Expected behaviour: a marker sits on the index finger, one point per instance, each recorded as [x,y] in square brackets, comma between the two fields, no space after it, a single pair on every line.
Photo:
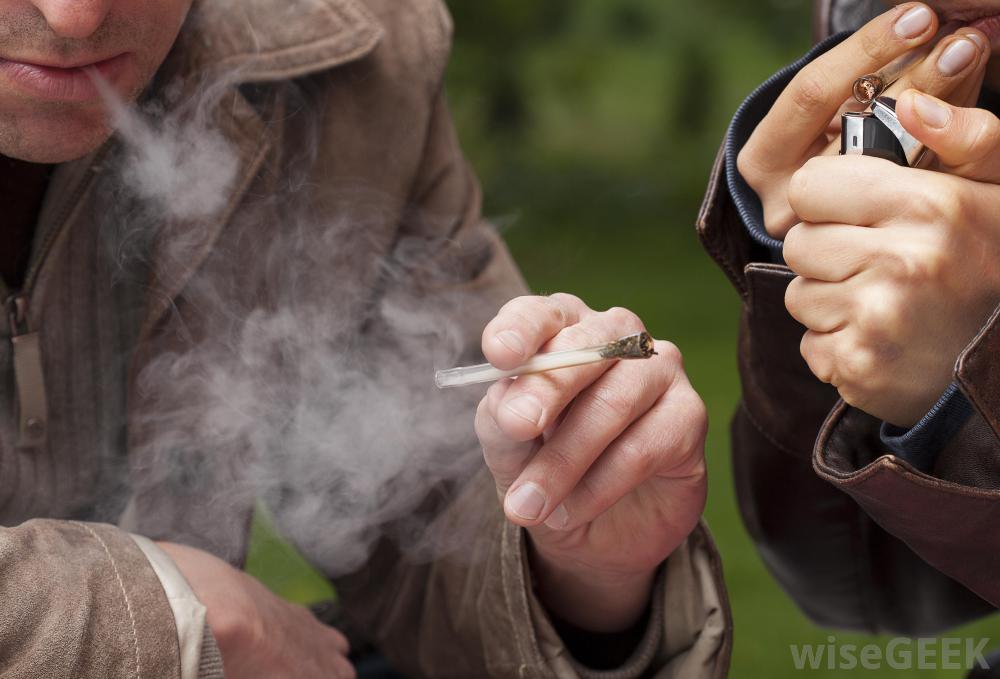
[803,111]
[524,324]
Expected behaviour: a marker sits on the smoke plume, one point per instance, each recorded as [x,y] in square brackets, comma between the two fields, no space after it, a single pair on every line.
[302,387]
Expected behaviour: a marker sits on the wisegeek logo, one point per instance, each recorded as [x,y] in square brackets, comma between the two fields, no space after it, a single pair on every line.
[901,653]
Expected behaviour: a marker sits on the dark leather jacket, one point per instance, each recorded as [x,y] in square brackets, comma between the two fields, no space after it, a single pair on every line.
[859,538]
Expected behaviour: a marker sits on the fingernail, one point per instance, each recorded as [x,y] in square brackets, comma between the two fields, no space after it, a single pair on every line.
[526,501]
[558,519]
[512,341]
[526,407]
[957,56]
[931,112]
[913,23]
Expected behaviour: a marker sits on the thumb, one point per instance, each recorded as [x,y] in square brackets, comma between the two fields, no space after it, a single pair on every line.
[965,140]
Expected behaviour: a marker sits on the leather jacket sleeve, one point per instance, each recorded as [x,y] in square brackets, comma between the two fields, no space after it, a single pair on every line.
[859,539]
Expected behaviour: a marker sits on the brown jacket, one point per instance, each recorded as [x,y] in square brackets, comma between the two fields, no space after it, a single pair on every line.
[859,538]
[347,203]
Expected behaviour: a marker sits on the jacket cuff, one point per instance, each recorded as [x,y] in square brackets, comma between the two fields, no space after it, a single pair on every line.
[689,631]
[921,444]
[555,651]
[210,662]
[947,519]
[189,612]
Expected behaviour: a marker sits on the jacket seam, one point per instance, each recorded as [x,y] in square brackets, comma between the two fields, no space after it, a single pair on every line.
[723,261]
[121,585]
[991,329]
[520,584]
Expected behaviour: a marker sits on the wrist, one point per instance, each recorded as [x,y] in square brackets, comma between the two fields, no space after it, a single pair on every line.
[231,611]
[590,599]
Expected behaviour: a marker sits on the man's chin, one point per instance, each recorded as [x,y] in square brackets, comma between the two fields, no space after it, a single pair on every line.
[58,139]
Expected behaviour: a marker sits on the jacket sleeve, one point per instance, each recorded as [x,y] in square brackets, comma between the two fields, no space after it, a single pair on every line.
[468,608]
[450,593]
[850,554]
[947,516]
[81,601]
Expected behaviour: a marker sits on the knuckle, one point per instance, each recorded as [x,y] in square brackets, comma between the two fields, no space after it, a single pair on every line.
[513,304]
[693,420]
[951,205]
[856,365]
[482,412]
[641,458]
[669,353]
[555,308]
[924,262]
[877,312]
[572,337]
[560,461]
[614,402]
[532,311]
[527,321]
[565,300]
[555,312]
[808,92]
[624,318]
[793,248]
[749,165]
[817,361]
[794,294]
[697,412]
[798,191]
[871,45]
[586,498]
[984,140]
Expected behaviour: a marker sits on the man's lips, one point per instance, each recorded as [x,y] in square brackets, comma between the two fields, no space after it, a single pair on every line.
[62,83]
[989,25]
[986,20]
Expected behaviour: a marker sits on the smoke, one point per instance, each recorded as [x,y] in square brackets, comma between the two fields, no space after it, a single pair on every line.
[302,376]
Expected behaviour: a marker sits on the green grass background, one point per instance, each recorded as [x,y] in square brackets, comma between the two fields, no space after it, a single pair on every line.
[593,125]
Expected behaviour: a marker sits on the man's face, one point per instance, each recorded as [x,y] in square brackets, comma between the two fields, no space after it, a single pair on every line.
[50,110]
[983,15]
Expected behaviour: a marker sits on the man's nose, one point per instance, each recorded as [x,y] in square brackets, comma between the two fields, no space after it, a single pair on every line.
[74,19]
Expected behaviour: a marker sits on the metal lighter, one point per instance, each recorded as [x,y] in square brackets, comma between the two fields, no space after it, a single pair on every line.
[879,133]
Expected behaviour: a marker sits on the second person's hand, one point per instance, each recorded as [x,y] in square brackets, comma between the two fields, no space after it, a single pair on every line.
[805,120]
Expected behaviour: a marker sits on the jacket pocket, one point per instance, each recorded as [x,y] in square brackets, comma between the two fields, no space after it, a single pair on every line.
[783,399]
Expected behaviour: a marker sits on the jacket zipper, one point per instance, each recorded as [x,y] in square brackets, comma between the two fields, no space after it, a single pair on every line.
[31,401]
[31,404]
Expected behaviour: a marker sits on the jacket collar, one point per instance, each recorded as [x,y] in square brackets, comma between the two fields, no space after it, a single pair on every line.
[264,40]
[248,41]
[834,16]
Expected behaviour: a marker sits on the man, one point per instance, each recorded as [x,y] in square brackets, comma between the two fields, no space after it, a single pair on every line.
[242,302]
[877,511]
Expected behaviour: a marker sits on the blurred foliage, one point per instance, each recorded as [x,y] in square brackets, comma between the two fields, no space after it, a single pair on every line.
[593,125]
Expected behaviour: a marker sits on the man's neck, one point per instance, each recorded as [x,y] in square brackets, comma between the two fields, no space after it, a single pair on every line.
[22,190]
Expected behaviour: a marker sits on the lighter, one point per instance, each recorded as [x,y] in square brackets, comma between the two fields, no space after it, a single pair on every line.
[878,133]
